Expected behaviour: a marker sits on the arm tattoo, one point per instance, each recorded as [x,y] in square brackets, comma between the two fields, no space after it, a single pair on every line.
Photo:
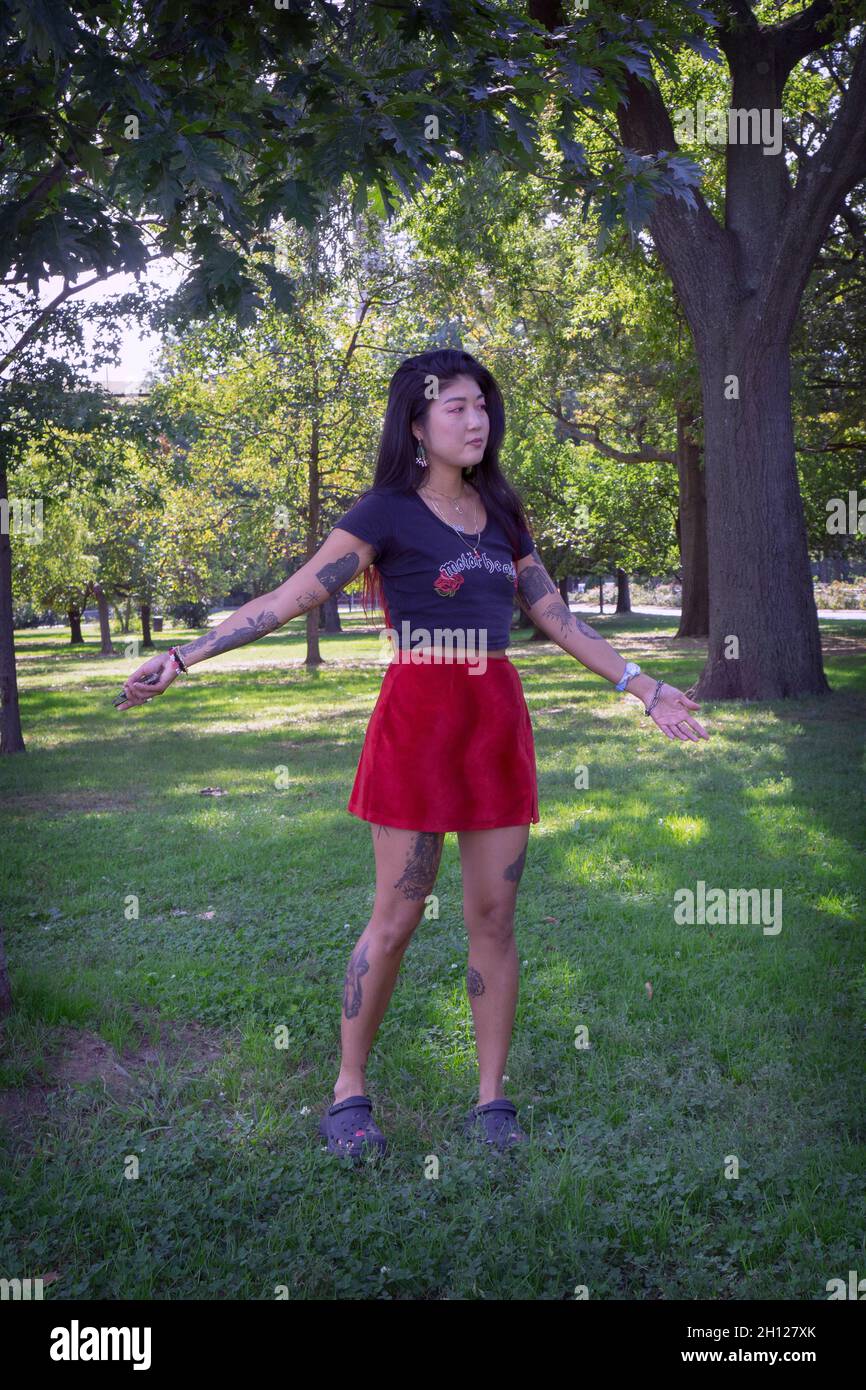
[419,875]
[474,982]
[558,612]
[211,645]
[352,993]
[533,583]
[332,577]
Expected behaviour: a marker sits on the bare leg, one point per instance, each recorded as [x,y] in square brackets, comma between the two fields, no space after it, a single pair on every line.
[407,862]
[492,863]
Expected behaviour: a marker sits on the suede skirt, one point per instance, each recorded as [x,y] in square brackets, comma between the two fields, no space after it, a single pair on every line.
[449,746]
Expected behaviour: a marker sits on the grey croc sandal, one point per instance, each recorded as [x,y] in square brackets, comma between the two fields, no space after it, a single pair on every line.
[348,1126]
[495,1123]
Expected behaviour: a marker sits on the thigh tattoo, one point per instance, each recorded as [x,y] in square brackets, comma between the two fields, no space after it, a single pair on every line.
[514,870]
[419,874]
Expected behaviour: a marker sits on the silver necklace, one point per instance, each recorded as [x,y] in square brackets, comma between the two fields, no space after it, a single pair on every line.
[460,534]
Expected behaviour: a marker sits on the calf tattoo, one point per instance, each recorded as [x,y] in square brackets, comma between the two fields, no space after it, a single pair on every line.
[514,870]
[419,875]
[474,982]
[352,993]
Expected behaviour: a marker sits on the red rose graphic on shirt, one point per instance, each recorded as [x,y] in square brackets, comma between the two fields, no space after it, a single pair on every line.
[448,586]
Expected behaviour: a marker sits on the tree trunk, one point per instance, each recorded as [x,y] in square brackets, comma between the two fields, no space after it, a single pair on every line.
[764,642]
[106,648]
[73,614]
[331,615]
[11,737]
[623,594]
[692,533]
[314,654]
[146,636]
[601,595]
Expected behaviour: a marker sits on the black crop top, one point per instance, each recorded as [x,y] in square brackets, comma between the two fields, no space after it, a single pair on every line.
[431,578]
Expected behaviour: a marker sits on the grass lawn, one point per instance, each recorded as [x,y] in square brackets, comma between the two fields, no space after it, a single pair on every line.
[164,942]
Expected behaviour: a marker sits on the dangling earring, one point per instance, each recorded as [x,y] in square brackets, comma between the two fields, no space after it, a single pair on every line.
[420,456]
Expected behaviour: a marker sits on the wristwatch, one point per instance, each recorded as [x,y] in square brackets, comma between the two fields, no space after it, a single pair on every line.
[631,669]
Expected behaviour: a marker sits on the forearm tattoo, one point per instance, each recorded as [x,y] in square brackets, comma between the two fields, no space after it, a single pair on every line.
[419,875]
[558,612]
[533,583]
[352,994]
[474,982]
[514,870]
[211,644]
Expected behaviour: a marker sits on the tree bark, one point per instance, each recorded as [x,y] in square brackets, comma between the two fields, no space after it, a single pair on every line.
[623,593]
[73,614]
[331,615]
[692,533]
[764,641]
[106,647]
[11,736]
[146,635]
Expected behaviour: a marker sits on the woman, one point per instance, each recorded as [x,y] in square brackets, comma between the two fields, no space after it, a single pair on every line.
[449,745]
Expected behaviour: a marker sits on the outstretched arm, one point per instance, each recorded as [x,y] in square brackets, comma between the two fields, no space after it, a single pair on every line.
[336,563]
[541,601]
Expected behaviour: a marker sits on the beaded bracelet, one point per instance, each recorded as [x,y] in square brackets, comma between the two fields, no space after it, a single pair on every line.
[654,701]
[182,666]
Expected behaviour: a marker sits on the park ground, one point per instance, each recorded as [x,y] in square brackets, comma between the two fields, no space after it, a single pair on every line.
[182,885]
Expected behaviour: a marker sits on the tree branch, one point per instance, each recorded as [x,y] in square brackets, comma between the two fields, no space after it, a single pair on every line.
[827,177]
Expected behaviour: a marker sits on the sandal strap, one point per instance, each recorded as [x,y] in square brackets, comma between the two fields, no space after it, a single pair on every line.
[354,1101]
[506,1105]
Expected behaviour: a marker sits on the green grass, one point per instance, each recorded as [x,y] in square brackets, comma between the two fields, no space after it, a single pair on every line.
[749,1045]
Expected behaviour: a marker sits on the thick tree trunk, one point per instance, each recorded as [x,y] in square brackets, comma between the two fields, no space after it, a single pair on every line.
[73,614]
[106,647]
[692,533]
[11,737]
[764,642]
[623,593]
[146,635]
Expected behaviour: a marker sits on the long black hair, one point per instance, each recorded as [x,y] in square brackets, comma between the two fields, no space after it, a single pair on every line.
[409,402]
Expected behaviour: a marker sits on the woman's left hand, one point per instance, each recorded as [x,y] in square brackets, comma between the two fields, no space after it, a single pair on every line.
[671,715]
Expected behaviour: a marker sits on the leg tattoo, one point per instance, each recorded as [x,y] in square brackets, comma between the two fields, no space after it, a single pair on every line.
[514,870]
[474,982]
[352,994]
[419,874]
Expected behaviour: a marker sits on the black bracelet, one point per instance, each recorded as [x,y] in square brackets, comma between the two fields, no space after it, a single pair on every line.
[654,701]
[175,652]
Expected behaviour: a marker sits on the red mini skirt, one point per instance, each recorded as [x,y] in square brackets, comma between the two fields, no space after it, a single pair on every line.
[447,749]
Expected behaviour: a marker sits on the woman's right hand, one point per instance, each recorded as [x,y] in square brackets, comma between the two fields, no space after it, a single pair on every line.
[138,689]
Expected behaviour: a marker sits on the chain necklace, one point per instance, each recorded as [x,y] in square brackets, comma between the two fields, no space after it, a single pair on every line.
[459,533]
